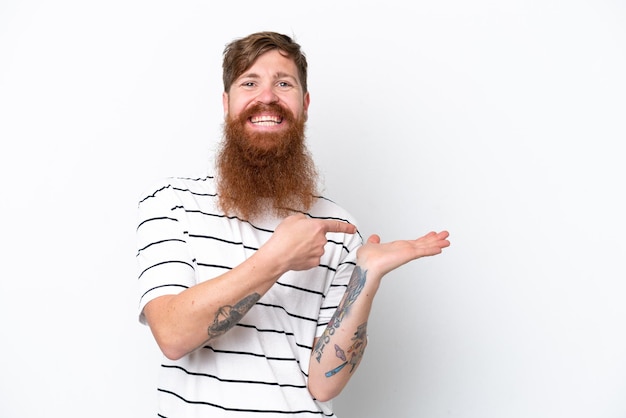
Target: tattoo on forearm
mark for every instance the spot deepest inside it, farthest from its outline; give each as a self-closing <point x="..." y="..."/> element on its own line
<point x="355" y="352"/>
<point x="227" y="316"/>
<point x="355" y="286"/>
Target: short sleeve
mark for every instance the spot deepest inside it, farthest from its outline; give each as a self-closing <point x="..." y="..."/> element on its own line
<point x="340" y="281"/>
<point x="165" y="264"/>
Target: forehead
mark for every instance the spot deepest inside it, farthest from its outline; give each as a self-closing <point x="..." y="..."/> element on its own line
<point x="273" y="64"/>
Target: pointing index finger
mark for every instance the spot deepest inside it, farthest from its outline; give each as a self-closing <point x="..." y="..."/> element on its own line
<point x="339" y="226"/>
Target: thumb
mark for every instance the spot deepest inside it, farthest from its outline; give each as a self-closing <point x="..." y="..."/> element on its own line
<point x="374" y="239"/>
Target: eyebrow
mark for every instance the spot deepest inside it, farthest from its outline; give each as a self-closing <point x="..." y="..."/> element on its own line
<point x="280" y="74"/>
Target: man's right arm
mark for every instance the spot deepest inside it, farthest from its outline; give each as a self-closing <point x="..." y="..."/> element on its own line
<point x="183" y="322"/>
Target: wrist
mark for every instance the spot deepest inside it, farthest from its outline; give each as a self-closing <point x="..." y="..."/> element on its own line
<point x="265" y="266"/>
<point x="368" y="279"/>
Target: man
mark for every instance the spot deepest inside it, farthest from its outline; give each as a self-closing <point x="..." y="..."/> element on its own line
<point x="256" y="289"/>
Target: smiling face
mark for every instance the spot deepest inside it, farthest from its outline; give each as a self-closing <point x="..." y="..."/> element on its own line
<point x="264" y="165"/>
<point x="268" y="96"/>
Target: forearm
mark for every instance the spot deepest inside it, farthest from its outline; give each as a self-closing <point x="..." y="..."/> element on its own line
<point x="183" y="322"/>
<point x="338" y="352"/>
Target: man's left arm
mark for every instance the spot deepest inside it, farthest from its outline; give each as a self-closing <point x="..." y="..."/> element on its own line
<point x="338" y="352"/>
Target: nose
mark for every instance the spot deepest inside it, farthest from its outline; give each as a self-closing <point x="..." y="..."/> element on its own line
<point x="267" y="95"/>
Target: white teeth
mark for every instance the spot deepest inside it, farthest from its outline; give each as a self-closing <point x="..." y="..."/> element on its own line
<point x="265" y="120"/>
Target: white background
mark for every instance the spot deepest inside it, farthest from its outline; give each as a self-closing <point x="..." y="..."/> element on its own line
<point x="501" y="121"/>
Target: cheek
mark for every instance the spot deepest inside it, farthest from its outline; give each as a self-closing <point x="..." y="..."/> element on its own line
<point x="235" y="105"/>
<point x="296" y="108"/>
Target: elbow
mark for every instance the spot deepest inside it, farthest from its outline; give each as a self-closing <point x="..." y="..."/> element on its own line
<point x="324" y="398"/>
<point x="324" y="391"/>
<point x="170" y="345"/>
<point x="172" y="339"/>
<point x="172" y="352"/>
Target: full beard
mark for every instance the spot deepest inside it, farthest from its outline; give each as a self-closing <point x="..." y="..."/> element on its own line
<point x="265" y="173"/>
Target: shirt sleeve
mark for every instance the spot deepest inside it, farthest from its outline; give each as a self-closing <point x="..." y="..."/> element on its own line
<point x="165" y="264"/>
<point x="340" y="281"/>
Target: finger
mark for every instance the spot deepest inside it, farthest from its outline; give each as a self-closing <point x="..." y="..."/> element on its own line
<point x="443" y="238"/>
<point x="443" y="234"/>
<point x="338" y="226"/>
<point x="374" y="239"/>
<point x="437" y="235"/>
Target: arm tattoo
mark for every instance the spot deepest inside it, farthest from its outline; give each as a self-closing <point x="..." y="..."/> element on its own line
<point x="227" y="316"/>
<point x="355" y="286"/>
<point x="355" y="351"/>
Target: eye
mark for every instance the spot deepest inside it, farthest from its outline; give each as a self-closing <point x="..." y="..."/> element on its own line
<point x="284" y="84"/>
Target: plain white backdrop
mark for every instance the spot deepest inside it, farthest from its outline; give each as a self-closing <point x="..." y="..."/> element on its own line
<point x="501" y="121"/>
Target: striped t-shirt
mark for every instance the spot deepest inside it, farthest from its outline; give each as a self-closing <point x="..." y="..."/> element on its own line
<point x="259" y="367"/>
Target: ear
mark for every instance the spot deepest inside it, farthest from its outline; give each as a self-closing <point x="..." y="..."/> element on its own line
<point x="225" y="104"/>
<point x="307" y="101"/>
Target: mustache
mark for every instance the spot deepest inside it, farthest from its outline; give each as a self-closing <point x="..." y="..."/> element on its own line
<point x="276" y="108"/>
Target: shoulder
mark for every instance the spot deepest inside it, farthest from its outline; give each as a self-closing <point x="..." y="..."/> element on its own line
<point x="178" y="186"/>
<point x="323" y="207"/>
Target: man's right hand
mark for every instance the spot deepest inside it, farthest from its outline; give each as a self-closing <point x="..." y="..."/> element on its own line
<point x="298" y="241"/>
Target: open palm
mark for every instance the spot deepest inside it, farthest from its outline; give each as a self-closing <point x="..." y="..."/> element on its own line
<point x="381" y="258"/>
